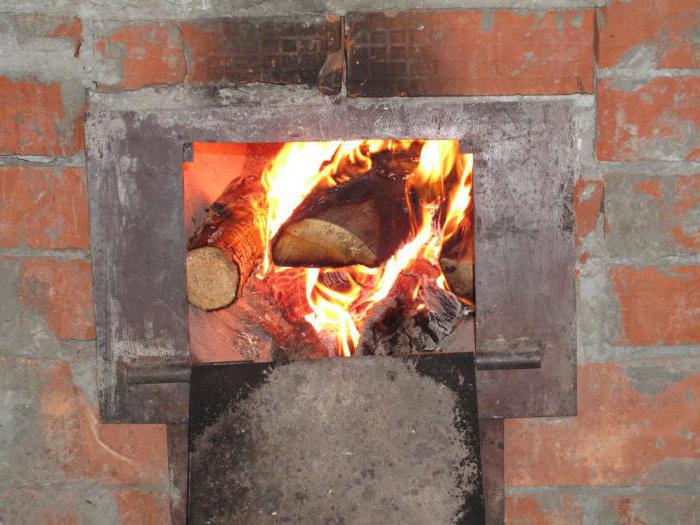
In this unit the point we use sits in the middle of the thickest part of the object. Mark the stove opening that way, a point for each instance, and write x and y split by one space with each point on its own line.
304 250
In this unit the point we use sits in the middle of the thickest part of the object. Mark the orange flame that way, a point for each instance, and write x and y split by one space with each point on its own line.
299 168
288 180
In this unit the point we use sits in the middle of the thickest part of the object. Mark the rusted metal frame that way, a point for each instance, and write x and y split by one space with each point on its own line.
178 462
492 468
508 360
524 151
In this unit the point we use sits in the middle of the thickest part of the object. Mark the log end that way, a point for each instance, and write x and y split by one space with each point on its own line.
460 276
212 278
305 243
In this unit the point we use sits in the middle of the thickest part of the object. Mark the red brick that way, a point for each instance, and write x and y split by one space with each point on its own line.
621 435
588 196
149 54
658 306
558 509
85 448
667 28
30 27
35 120
284 50
494 52
138 507
60 291
43 208
656 120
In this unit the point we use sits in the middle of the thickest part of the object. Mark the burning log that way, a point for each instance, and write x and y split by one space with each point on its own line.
255 328
396 327
360 222
457 261
459 274
227 248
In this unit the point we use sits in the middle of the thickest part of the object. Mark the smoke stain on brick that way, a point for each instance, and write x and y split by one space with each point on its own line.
484 67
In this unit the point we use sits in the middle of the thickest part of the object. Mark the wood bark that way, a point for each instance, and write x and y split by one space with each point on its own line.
227 248
256 327
362 221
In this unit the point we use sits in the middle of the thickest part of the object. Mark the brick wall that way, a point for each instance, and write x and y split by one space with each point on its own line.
631 456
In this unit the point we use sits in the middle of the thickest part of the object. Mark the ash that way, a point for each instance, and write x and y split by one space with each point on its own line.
395 327
362 440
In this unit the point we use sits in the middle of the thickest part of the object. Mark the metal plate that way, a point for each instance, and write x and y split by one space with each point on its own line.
526 160
362 440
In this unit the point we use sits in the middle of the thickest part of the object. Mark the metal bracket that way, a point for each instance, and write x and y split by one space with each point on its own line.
179 372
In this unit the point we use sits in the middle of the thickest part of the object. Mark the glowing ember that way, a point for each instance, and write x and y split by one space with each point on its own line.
438 194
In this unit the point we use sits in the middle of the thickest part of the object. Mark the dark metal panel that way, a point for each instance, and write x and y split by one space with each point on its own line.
525 255
491 432
177 473
525 167
137 246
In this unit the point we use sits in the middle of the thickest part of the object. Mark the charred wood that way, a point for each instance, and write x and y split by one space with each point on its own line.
460 276
362 221
457 261
396 326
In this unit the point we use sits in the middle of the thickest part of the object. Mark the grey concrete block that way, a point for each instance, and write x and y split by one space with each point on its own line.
650 216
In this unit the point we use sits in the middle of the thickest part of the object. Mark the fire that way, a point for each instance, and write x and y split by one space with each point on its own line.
289 179
438 193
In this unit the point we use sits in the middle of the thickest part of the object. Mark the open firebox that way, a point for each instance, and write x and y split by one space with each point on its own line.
334 306
332 249
312 249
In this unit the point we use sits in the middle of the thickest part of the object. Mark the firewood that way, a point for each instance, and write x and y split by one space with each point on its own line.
459 274
227 248
255 328
395 326
457 261
362 221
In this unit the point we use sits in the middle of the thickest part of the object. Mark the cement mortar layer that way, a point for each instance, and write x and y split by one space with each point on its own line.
261 94
187 9
362 441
